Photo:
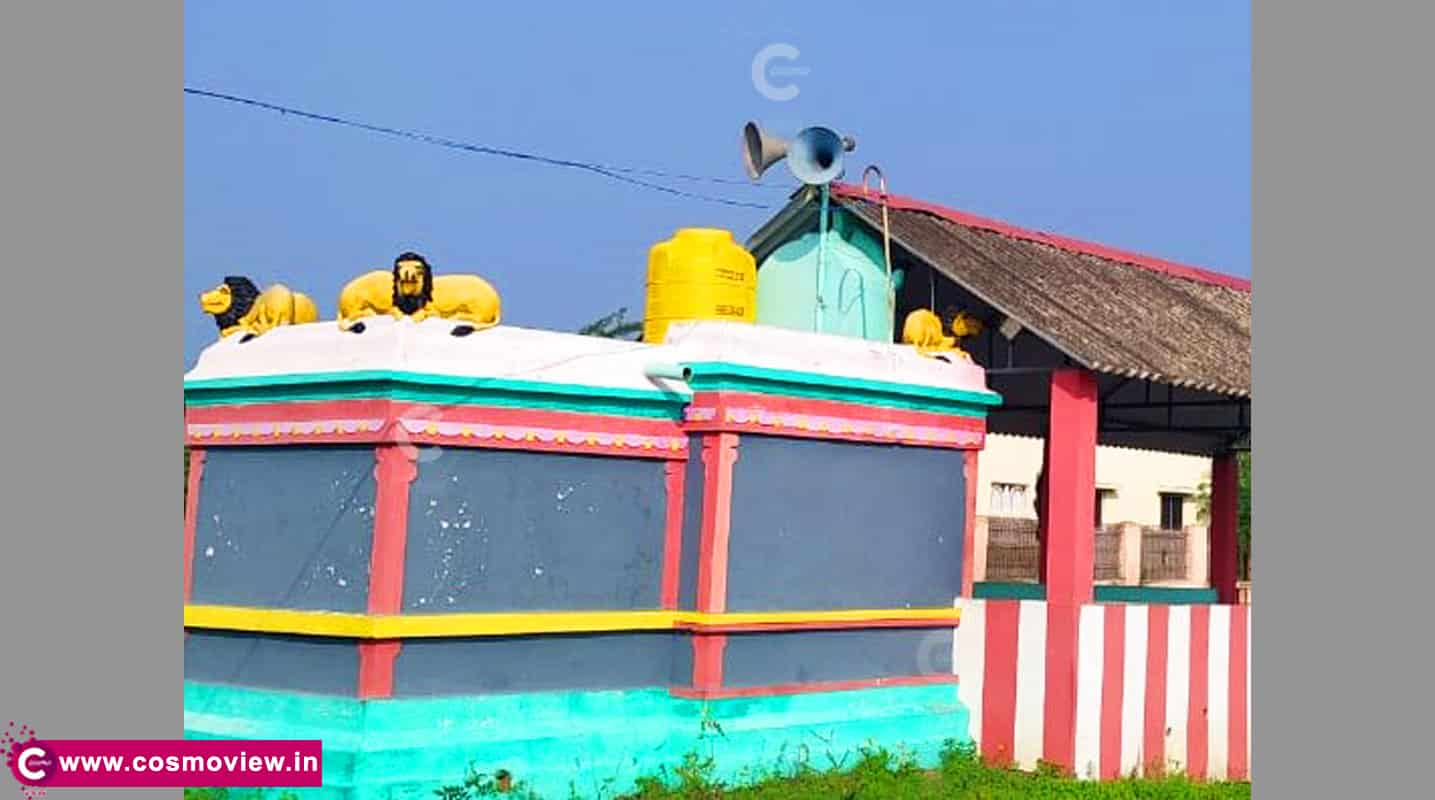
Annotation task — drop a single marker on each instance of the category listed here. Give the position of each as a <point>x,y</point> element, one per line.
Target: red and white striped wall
<point>1158,687</point>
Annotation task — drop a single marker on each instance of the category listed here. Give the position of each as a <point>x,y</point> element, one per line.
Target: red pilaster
<point>191,516</point>
<point>707,660</point>
<point>673,532</point>
<point>394,470</point>
<point>719,454</point>
<point>1070,548</point>
<point>969,527</point>
<point>1225,553</point>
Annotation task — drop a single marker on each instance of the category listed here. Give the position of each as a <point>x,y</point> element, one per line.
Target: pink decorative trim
<point>1063,242</point>
<point>819,419</point>
<point>533,437</point>
<point>288,430</point>
<point>351,421</point>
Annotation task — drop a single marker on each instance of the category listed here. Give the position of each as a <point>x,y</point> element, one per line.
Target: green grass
<point>228,794</point>
<point>961,775</point>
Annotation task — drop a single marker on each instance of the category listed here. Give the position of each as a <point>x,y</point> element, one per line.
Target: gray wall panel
<point>502,530</point>
<point>692,525</point>
<point>549,662</point>
<point>297,663</point>
<point>285,526</point>
<point>761,659</point>
<point>826,525</point>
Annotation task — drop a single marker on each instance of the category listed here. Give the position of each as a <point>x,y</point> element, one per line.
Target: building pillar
<point>1225,535</point>
<point>395,468</point>
<point>981,534</point>
<point>1069,549</point>
<point>972,569</point>
<point>1131,534</point>
<point>1070,496</point>
<point>1198,555</point>
<point>719,454</point>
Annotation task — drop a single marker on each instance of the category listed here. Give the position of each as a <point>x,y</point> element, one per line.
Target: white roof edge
<point>535,355</point>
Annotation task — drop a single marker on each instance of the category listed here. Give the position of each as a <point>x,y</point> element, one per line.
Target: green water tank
<point>853,296</point>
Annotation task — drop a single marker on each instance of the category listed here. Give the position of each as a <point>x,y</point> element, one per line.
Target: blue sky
<point>1123,122</point>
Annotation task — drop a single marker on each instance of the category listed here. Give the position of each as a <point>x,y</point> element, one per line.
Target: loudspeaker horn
<point>814,155</point>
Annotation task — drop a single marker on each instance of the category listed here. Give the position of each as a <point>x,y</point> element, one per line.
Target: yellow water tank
<point>700,273</point>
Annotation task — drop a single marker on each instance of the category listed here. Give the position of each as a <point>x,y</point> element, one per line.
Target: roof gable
<point>1107,309</point>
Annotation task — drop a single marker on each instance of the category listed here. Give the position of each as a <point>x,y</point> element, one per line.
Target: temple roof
<point>1109,310</point>
<point>513,354</point>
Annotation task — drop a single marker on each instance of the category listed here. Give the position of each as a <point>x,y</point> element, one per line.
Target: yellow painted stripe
<point>407,626</point>
<point>509,624</point>
<point>279,620</point>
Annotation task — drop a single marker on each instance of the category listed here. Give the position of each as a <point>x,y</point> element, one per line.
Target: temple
<point>436,541</point>
<point>574,558</point>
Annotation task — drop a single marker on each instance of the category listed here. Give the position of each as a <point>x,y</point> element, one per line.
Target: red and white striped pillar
<point>1069,549</point>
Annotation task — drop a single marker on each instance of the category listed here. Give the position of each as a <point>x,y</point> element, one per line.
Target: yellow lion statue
<point>412,290</point>
<point>238,305</point>
<point>923,330</point>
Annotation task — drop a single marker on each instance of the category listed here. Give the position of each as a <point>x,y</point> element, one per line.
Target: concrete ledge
<point>1170,595</point>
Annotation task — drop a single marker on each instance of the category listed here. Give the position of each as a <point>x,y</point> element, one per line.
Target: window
<point>1009,500</point>
<point>1101,495</point>
<point>1172,505</point>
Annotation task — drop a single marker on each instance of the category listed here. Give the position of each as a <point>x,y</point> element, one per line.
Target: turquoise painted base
<point>574,744</point>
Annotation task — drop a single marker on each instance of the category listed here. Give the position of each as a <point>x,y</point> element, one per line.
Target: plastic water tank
<point>700,273</point>
<point>855,294</point>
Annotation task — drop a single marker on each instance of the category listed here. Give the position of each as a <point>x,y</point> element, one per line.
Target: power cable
<point>623,174</point>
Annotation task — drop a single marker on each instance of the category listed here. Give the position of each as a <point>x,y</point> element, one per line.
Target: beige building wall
<point>1130,481</point>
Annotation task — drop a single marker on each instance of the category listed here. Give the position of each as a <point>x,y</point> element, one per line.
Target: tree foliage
<point>1244,511</point>
<point>1243,506</point>
<point>615,325</point>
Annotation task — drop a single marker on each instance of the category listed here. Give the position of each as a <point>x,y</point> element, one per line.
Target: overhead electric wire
<point>624,174</point>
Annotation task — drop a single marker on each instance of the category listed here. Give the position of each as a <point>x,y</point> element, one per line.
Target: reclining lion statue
<point>411,289</point>
<point>237,306</point>
<point>923,330</point>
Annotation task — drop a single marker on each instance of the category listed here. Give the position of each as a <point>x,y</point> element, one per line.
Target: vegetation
<point>961,775</point>
<point>1243,505</point>
<point>230,794</point>
<point>1244,512</point>
<point>876,774</point>
<point>614,326</point>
